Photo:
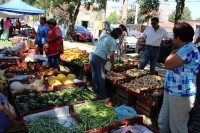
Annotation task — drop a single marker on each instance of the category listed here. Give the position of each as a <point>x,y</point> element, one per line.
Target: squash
<point>60,77</point>
<point>71,76</point>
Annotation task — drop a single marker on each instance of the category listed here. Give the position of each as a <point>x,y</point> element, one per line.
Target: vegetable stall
<point>43,99</point>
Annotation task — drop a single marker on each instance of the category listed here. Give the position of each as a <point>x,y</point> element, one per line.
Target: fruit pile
<point>61,79</point>
<point>75,54</point>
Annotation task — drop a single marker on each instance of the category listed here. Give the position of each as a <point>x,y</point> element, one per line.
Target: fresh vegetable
<point>76,94</point>
<point>47,124</point>
<point>96,115</point>
<point>38,101</point>
<point>16,86</point>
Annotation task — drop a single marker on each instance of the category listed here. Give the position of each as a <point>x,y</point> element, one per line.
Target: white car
<point>131,42</point>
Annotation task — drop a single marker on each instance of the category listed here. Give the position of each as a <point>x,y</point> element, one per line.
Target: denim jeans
<point>150,54</point>
<point>54,61</point>
<point>174,114</point>
<point>98,74</point>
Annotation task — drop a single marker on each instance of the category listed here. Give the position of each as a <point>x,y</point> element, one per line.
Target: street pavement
<point>89,46</point>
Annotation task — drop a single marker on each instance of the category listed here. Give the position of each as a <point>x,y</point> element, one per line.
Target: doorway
<point>85,24</point>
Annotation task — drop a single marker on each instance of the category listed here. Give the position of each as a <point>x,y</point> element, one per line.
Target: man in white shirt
<point>154,36</point>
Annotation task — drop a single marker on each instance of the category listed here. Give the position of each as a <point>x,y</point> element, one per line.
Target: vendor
<point>54,44</point>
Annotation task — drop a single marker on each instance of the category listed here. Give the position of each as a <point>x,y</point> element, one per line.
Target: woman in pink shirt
<point>6,27</point>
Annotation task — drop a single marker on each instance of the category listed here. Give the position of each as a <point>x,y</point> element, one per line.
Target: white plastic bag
<point>108,66</point>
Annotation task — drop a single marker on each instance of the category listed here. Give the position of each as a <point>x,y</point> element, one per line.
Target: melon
<point>71,76</point>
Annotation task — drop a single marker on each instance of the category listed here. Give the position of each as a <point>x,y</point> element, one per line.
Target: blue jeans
<point>98,74</point>
<point>150,54</point>
<point>54,61</point>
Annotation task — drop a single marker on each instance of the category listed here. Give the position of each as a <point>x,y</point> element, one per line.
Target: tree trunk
<point>179,10</point>
<point>103,19</point>
<point>124,12</point>
<point>72,21</point>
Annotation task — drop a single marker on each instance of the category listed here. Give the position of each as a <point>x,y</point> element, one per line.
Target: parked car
<point>165,49</point>
<point>82,34</point>
<point>131,40</point>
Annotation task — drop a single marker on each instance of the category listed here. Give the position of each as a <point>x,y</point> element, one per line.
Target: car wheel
<point>141,52</point>
<point>76,38</point>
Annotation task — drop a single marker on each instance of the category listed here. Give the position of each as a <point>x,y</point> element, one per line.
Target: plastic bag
<point>125,112</point>
<point>108,66</point>
<point>133,129</point>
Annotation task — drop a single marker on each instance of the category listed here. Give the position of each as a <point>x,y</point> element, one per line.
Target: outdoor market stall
<point>45,99</point>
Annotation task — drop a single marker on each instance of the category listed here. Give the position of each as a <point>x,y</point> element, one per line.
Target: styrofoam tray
<point>62,114</point>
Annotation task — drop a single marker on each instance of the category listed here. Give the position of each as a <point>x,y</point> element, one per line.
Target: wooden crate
<point>124,97</point>
<point>146,109</point>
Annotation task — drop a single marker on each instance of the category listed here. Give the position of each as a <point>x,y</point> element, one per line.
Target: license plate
<point>132,46</point>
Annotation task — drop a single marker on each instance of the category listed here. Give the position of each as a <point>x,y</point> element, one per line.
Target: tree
<point>113,18</point>
<point>148,9</point>
<point>131,16</point>
<point>179,10</point>
<point>124,12</point>
<point>198,18</point>
<point>73,9</point>
<point>186,15</point>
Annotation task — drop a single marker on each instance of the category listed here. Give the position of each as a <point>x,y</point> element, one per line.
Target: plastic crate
<point>125,123</point>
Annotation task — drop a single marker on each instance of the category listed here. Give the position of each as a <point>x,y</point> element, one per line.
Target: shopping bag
<point>125,112</point>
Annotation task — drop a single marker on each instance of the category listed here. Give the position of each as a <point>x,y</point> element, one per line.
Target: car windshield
<point>81,28</point>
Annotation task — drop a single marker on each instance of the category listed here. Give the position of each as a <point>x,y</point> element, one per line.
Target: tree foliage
<point>186,15</point>
<point>180,4</point>
<point>148,9</point>
<point>113,18</point>
<point>198,18</point>
<point>131,16</point>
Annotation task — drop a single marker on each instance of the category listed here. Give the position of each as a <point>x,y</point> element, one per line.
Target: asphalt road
<point>89,46</point>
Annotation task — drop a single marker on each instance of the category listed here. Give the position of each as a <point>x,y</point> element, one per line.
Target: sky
<point>193,5</point>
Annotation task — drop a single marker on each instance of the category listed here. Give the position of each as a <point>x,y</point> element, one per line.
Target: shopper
<point>106,46</point>
<point>18,25</point>
<point>121,46</point>
<point>180,81</point>
<point>42,33</point>
<point>6,27</point>
<point>153,36</point>
<point>55,44</point>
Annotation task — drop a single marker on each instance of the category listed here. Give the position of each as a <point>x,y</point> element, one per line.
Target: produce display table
<point>36,90</point>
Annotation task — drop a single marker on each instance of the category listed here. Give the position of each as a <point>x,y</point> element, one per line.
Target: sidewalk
<point>89,47</point>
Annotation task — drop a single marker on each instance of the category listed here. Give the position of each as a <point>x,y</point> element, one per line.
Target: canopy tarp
<point>18,6</point>
<point>11,15</point>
